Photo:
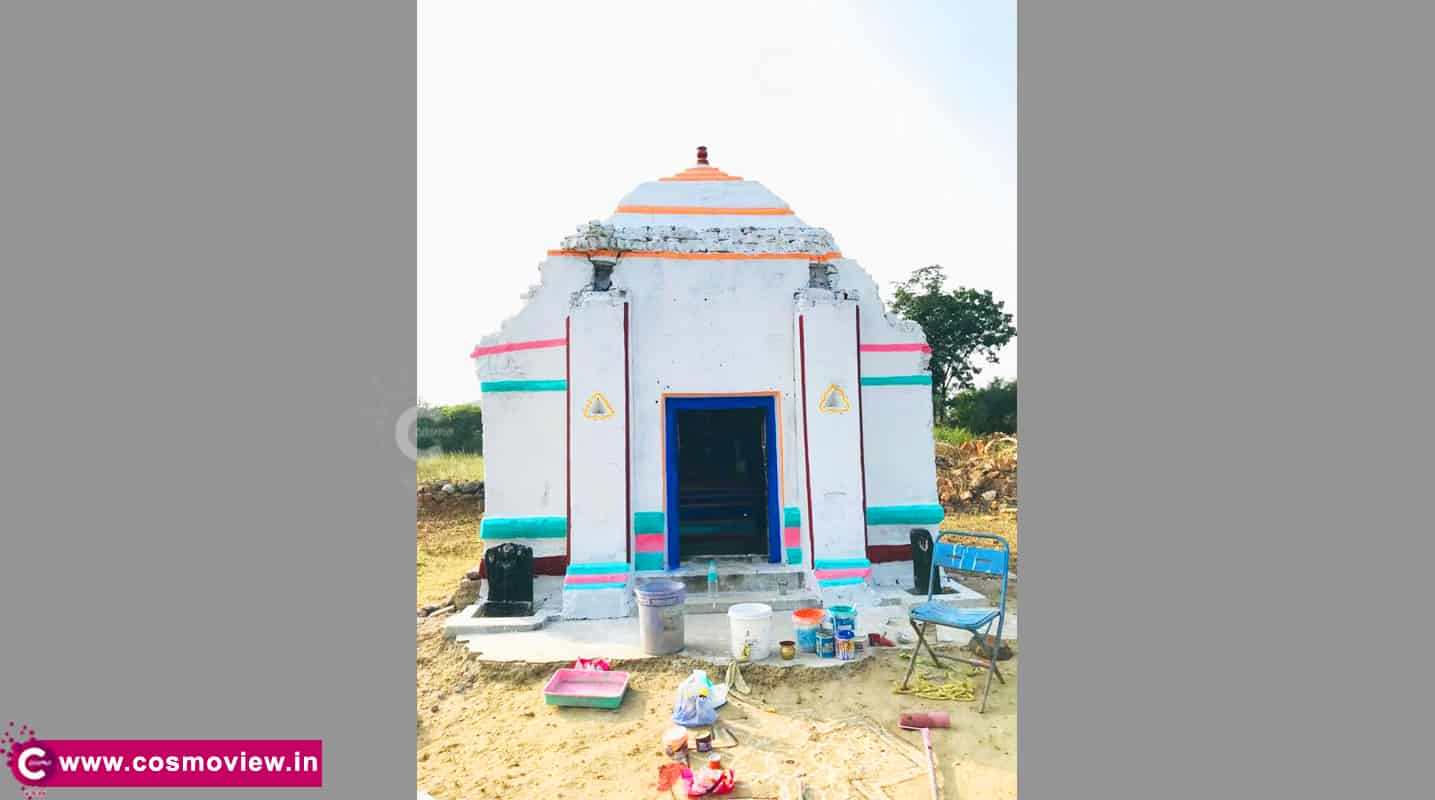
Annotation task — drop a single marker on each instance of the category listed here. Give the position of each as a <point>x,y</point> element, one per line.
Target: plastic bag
<point>705,781</point>
<point>694,705</point>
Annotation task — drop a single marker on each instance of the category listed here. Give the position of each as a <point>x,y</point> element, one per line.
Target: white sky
<point>892,125</point>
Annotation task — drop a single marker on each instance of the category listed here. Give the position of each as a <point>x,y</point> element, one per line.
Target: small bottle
<point>712,583</point>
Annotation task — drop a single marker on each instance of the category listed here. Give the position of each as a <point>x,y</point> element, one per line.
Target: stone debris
<point>466,594</point>
<point>981,646</point>
<point>439,491</point>
<point>677,239</point>
<point>978,475</point>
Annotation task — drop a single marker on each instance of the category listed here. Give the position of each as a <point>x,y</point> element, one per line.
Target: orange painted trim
<point>746,212</point>
<point>702,173</point>
<point>703,256</point>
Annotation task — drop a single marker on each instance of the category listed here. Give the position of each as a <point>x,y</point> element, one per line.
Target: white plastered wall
<point>704,327</point>
<point>897,420</point>
<point>827,321</point>
<point>524,433</point>
<point>710,327</point>
<point>599,527</point>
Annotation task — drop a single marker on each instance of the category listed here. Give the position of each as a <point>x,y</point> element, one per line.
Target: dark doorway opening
<point>722,482</point>
<point>722,473</point>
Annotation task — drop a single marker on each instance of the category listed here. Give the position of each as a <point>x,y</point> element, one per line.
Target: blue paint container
<point>805,622</point>
<point>844,618</point>
<point>826,644</point>
<point>807,639</point>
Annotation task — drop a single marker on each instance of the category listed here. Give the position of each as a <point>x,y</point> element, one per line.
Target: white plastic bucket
<point>660,616</point>
<point>751,624</point>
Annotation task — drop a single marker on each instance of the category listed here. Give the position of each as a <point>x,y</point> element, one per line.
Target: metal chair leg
<point>988,690</point>
<point>995,647</point>
<point>916,651</point>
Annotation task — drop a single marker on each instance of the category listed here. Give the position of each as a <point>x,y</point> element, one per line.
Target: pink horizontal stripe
<point>791,537</point>
<point>855,572</point>
<point>895,348</point>
<point>615,577</point>
<point>651,542</point>
<point>511,346</point>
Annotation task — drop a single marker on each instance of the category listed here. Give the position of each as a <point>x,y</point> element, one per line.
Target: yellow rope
<point>927,689</point>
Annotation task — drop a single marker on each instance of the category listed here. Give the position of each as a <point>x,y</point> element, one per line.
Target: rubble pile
<point>978,475</point>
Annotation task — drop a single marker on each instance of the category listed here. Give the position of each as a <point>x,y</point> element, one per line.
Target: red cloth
<point>669,774</point>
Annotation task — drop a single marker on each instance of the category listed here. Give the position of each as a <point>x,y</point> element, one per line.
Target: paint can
<point>675,741</point>
<point>846,645</point>
<point>844,618</point>
<point>805,622</point>
<point>826,643</point>
<point>704,742</point>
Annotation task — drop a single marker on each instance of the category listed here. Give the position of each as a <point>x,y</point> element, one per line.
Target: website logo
<point>159,763</point>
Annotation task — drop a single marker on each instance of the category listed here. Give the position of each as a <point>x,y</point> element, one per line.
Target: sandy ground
<point>448,546</point>
<point>485,732</point>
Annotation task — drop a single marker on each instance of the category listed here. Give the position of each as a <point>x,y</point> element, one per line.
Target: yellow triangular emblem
<point>834,401</point>
<point>598,407</point>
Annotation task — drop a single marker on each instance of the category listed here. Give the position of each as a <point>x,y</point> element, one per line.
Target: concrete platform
<point>707,637</point>
<point>464,623</point>
<point>547,637</point>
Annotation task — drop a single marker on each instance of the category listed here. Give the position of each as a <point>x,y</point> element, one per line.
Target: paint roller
<point>924,721</point>
<point>912,720</point>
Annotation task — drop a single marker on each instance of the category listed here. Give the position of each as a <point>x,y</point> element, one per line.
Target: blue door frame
<point>672,405</point>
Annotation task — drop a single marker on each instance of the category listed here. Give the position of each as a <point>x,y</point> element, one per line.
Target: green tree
<point>453,429</point>
<point>964,328</point>
<point>989,410</point>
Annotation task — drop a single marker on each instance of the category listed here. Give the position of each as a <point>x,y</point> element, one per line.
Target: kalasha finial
<point>702,155</point>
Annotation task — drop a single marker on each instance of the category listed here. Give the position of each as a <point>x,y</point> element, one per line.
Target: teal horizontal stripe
<point>648,561</point>
<point>897,380</point>
<point>905,515</point>
<point>523,528</point>
<point>648,522</point>
<point>794,555</point>
<point>598,569</point>
<point>841,563</point>
<point>791,517</point>
<point>569,586</point>
<point>523,386</point>
<point>841,582</point>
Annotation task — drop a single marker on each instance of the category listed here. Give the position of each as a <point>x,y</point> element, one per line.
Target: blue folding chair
<point>977,621</point>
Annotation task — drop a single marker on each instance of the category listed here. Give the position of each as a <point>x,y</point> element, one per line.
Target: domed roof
<point>703,197</point>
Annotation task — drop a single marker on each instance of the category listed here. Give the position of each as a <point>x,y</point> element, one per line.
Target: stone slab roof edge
<point>678,239</point>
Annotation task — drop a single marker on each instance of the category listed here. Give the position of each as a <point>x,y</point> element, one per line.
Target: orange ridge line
<point>702,178</point>
<point>756,212</point>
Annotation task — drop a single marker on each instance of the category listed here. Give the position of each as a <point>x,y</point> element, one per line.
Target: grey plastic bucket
<point>660,616</point>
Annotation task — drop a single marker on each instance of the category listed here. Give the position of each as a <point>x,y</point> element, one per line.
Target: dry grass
<point>451,467</point>
<point>448,546</point>
<point>1003,525</point>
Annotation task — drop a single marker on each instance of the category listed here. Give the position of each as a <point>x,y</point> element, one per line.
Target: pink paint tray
<point>586,687</point>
